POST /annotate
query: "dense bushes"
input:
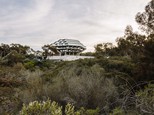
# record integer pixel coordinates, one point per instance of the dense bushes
(142, 103)
(91, 83)
(145, 100)
(88, 84)
(53, 108)
(44, 108)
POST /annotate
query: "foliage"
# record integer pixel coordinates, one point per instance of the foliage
(8, 105)
(87, 54)
(48, 64)
(9, 81)
(117, 111)
(70, 110)
(145, 100)
(44, 108)
(85, 86)
(92, 111)
(131, 45)
(49, 50)
(34, 89)
(146, 18)
(53, 108)
(105, 50)
(29, 65)
(14, 53)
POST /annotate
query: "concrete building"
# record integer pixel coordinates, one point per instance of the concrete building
(69, 46)
(69, 50)
(69, 57)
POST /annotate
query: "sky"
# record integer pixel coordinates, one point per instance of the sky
(39, 22)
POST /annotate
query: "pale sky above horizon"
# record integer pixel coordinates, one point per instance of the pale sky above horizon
(39, 22)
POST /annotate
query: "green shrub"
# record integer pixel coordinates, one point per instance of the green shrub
(117, 111)
(52, 108)
(29, 65)
(145, 100)
(9, 105)
(69, 110)
(35, 88)
(48, 64)
(41, 108)
(86, 86)
(93, 111)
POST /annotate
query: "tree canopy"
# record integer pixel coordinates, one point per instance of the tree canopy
(146, 18)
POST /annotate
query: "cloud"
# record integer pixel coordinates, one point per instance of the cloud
(26, 22)
(39, 22)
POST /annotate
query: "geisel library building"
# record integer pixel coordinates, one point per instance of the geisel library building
(69, 46)
(69, 49)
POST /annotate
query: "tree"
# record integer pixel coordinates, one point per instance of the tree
(49, 50)
(128, 30)
(4, 49)
(13, 53)
(145, 100)
(105, 49)
(146, 18)
(131, 44)
(146, 65)
(146, 22)
(140, 49)
(13, 57)
(20, 48)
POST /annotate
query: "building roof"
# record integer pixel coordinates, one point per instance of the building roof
(68, 42)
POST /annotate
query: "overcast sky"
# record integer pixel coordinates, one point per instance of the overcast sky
(38, 22)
